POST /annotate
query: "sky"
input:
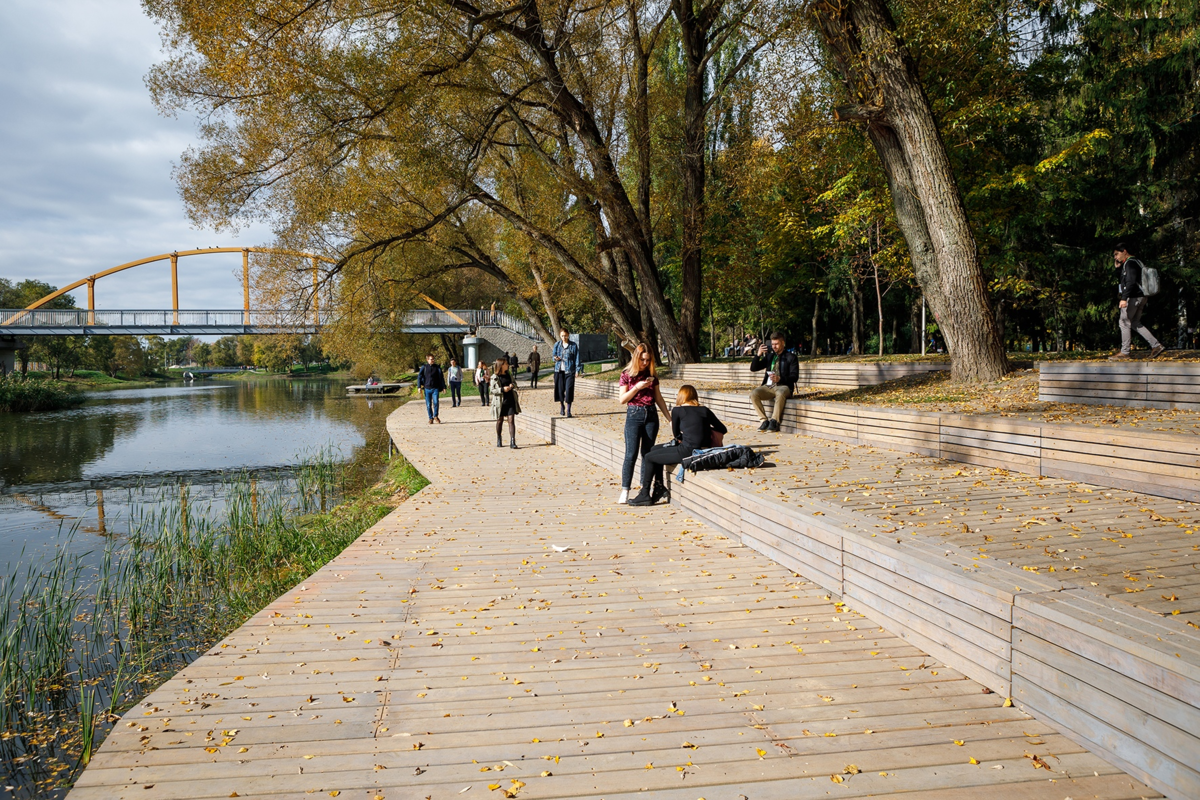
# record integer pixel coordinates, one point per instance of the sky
(86, 161)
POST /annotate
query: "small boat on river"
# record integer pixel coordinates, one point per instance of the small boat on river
(362, 389)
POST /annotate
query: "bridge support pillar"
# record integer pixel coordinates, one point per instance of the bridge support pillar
(8, 354)
(470, 352)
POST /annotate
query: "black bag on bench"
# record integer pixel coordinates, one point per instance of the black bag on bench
(734, 456)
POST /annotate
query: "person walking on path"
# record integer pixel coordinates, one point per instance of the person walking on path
(433, 383)
(642, 398)
(483, 381)
(694, 427)
(566, 364)
(1133, 303)
(505, 403)
(535, 364)
(779, 382)
(454, 374)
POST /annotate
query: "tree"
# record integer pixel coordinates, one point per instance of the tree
(537, 115)
(886, 94)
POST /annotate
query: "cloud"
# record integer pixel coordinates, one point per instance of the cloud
(85, 160)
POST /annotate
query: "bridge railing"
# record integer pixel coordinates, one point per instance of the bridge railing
(83, 318)
(67, 318)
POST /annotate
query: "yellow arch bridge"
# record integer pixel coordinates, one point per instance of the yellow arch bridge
(35, 320)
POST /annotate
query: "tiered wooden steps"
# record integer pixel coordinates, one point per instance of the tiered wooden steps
(1120, 680)
(834, 375)
(1163, 464)
(510, 630)
(1145, 384)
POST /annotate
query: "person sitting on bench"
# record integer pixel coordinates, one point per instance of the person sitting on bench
(779, 382)
(694, 427)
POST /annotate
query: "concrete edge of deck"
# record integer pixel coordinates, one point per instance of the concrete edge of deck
(1120, 681)
(1151, 462)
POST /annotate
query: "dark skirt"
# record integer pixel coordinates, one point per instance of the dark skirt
(564, 387)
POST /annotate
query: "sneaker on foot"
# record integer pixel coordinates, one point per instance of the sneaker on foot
(1157, 351)
(774, 426)
(1119, 357)
(624, 498)
(766, 425)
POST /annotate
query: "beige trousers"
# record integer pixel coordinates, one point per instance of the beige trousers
(779, 394)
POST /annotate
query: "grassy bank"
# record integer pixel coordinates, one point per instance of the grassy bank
(19, 393)
(84, 639)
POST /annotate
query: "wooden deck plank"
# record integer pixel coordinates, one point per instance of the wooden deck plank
(483, 639)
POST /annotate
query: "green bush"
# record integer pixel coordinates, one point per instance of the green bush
(21, 393)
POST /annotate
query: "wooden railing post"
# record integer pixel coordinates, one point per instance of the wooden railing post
(91, 317)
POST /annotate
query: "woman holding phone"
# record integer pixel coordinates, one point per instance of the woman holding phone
(642, 398)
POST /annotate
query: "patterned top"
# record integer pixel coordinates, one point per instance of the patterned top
(644, 397)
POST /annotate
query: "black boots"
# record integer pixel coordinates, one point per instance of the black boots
(499, 441)
(513, 443)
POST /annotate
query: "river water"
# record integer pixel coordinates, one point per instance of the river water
(84, 469)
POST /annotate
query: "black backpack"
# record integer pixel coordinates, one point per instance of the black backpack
(735, 456)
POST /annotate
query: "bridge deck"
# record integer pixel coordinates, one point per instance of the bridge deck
(454, 649)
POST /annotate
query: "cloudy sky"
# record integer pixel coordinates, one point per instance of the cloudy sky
(85, 160)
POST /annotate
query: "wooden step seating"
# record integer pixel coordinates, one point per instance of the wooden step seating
(1153, 462)
(1117, 679)
(509, 632)
(1144, 384)
(834, 375)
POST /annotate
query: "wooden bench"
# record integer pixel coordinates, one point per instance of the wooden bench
(1153, 462)
(1148, 384)
(1121, 681)
(849, 375)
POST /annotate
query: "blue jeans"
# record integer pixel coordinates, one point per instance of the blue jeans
(641, 429)
(431, 402)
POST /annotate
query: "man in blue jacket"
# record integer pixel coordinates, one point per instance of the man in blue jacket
(1133, 303)
(566, 364)
(432, 382)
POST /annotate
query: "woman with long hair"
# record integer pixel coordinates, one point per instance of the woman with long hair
(694, 427)
(504, 402)
(642, 398)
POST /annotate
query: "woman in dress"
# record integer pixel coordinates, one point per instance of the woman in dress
(694, 427)
(642, 398)
(504, 402)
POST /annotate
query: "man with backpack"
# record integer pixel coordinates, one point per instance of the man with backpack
(1133, 303)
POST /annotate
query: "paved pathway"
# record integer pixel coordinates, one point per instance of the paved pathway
(509, 630)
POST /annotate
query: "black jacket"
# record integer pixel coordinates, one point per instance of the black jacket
(1130, 279)
(788, 369)
(429, 376)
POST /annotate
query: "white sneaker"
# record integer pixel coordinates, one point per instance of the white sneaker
(624, 498)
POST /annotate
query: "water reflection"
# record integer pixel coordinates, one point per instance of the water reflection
(86, 467)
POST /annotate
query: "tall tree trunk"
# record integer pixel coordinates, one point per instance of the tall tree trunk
(547, 303)
(855, 316)
(881, 76)
(816, 314)
(694, 37)
(878, 293)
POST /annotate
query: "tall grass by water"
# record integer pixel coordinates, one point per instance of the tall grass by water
(22, 394)
(85, 639)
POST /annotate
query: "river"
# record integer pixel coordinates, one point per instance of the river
(85, 469)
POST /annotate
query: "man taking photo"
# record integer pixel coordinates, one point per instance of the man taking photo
(779, 382)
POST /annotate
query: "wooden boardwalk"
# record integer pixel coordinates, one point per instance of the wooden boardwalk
(510, 630)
